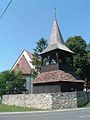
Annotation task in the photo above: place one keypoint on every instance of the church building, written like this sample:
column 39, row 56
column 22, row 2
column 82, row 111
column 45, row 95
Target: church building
column 23, row 64
column 57, row 71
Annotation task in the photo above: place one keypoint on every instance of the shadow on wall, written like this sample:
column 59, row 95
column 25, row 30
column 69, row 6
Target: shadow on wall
column 82, row 98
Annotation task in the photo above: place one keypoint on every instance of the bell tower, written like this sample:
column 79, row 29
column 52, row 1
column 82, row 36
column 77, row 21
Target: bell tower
column 57, row 56
column 57, row 71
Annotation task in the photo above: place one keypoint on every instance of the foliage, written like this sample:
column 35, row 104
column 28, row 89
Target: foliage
column 78, row 45
column 40, row 46
column 11, row 82
column 34, row 74
column 88, row 67
column 88, row 50
column 87, row 105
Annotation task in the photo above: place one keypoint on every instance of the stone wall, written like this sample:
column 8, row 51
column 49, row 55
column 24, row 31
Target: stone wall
column 64, row 100
column 82, row 98
column 40, row 101
column 48, row 101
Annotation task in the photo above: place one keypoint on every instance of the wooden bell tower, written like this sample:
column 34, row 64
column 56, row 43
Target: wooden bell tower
column 57, row 56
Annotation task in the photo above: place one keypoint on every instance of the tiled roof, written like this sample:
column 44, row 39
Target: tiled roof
column 22, row 66
column 55, row 76
column 56, row 40
column 30, row 54
column 23, row 63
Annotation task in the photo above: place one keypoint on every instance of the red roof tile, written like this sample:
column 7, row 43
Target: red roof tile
column 22, row 66
column 55, row 76
column 30, row 54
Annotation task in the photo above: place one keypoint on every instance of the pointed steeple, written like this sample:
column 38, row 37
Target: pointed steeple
column 56, row 40
column 56, row 37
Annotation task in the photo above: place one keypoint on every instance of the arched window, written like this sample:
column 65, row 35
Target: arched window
column 53, row 59
column 45, row 61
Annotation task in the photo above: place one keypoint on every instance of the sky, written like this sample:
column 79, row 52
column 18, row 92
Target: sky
column 27, row 21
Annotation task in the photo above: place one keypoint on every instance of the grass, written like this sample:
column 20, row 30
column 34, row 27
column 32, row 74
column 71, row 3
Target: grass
column 9, row 108
column 87, row 105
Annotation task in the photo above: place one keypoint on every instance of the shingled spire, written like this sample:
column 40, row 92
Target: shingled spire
column 56, row 37
column 56, row 40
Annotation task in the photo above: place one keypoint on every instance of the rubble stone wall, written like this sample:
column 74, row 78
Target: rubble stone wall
column 61, row 100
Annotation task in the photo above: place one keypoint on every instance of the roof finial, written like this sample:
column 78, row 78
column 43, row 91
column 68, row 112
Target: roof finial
column 54, row 11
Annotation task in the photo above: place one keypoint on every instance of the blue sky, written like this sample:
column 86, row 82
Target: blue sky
column 26, row 21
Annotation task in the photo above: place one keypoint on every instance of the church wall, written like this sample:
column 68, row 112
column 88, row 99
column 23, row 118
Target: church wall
column 28, row 84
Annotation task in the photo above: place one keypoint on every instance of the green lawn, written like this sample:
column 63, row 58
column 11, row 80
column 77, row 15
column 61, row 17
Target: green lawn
column 6, row 108
column 9, row 108
column 87, row 105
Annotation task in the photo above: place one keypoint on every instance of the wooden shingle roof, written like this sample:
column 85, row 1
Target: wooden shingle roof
column 55, row 76
column 56, row 40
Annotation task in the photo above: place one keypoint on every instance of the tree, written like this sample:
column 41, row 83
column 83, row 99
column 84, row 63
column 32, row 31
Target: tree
column 78, row 45
column 88, row 50
column 88, row 67
column 11, row 83
column 40, row 46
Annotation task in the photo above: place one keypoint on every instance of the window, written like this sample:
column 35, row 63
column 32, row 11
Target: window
column 45, row 61
column 53, row 59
